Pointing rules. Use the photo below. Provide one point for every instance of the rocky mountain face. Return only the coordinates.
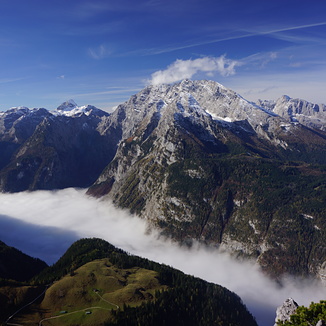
(44, 149)
(200, 162)
(194, 159)
(297, 110)
(292, 314)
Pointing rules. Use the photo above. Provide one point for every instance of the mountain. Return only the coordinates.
(196, 160)
(53, 149)
(15, 265)
(201, 163)
(94, 283)
(311, 115)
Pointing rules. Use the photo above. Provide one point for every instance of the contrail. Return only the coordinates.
(237, 37)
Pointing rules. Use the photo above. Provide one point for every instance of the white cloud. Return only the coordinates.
(45, 223)
(181, 69)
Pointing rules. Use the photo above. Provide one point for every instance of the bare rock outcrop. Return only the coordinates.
(285, 311)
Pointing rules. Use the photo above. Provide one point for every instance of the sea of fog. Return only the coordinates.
(44, 224)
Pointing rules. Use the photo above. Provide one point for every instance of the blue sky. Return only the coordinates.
(102, 51)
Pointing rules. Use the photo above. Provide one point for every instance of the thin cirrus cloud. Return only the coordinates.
(95, 29)
(260, 59)
(113, 91)
(278, 33)
(181, 69)
(275, 32)
(291, 28)
(100, 52)
(276, 84)
(11, 80)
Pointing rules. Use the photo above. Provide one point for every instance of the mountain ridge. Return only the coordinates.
(196, 160)
(52, 149)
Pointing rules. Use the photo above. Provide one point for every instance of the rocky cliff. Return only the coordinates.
(200, 162)
(284, 312)
(309, 114)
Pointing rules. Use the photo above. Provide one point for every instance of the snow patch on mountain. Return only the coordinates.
(216, 117)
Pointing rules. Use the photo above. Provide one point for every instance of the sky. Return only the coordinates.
(44, 224)
(100, 52)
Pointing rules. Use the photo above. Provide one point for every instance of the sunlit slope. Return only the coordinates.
(89, 294)
(115, 288)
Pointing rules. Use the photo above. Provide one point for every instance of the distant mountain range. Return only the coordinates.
(194, 159)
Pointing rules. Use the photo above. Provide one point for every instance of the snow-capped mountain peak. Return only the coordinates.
(71, 109)
(67, 106)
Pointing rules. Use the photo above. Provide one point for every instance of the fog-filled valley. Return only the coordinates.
(44, 224)
(160, 160)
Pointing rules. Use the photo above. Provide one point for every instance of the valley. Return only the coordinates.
(196, 162)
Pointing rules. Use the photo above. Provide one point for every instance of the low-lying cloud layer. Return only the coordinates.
(182, 69)
(44, 224)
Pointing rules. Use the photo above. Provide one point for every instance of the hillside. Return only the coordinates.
(16, 268)
(15, 265)
(106, 286)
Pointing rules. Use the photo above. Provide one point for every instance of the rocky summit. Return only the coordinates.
(284, 312)
(196, 160)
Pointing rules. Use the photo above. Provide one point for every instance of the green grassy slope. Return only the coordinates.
(95, 283)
